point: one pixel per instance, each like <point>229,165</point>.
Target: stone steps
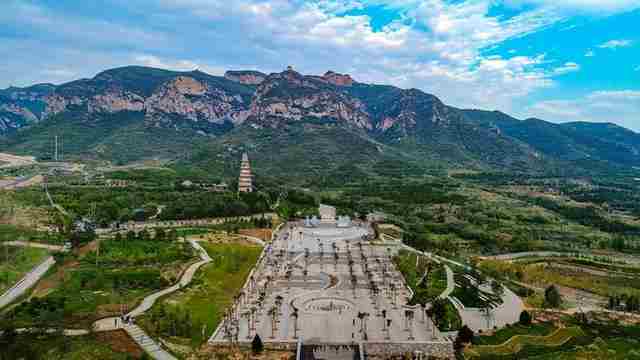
<point>147,343</point>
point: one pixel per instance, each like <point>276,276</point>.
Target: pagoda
<point>245,181</point>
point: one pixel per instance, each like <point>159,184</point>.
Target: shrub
<point>465,336</point>
<point>552,297</point>
<point>525,318</point>
<point>256,345</point>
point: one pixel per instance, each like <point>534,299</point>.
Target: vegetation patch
<point>518,342</point>
<point>426,278</point>
<point>126,269</point>
<point>194,312</point>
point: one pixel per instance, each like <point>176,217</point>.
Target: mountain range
<point>303,123</point>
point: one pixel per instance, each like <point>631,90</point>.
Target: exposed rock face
<point>337,79</point>
<point>191,99</point>
<point>179,97</point>
<point>245,77</point>
<point>292,96</point>
<point>18,111</point>
<point>115,101</point>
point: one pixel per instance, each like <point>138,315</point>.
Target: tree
<point>465,336</point>
<point>525,318</point>
<point>256,345</point>
<point>497,288</point>
<point>552,297</point>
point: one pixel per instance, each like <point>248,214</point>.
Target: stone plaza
<point>326,285</point>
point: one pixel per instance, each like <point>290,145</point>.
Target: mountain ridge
<point>209,106</point>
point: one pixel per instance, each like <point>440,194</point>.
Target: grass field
<point>202,304</point>
<point>15,262</point>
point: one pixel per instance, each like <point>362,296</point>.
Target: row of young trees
<point>629,303</point>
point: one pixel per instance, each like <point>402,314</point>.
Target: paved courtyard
<point>328,285</point>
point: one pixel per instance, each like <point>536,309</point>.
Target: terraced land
<point>520,342</point>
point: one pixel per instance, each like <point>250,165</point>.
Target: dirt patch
<point>263,234</point>
<point>121,342</point>
<point>222,238</point>
<point>46,285</point>
<point>85,249</point>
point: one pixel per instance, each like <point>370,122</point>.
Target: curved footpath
<point>137,334</point>
<point>506,313</point>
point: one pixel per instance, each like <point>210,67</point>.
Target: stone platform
<point>329,286</point>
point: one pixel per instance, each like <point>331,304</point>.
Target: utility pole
<point>55,149</point>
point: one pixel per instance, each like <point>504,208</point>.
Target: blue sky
<point>559,60</point>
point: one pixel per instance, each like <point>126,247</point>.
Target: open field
<point>15,262</point>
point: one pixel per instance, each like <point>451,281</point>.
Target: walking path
<point>137,334</point>
<point>477,319</point>
<point>451,284</point>
<point>26,282</point>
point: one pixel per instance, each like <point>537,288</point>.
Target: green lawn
<point>204,301</point>
<point>15,262</point>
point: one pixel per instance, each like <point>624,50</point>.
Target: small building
<point>327,213</point>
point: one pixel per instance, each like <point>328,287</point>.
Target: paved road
<point>26,282</point>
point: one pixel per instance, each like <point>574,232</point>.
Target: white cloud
<point>176,65</point>
<point>621,107</point>
<point>566,68</point>
<point>437,45</point>
<point>445,59</point>
<point>615,44</point>
<point>597,7</point>
<point>590,53</point>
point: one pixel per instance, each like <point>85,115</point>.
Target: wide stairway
<point>147,343</point>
